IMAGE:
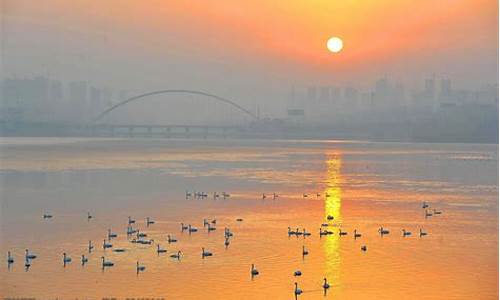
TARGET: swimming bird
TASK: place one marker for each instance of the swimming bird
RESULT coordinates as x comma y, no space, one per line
305,233
144,242
304,195
159,250
216,195
297,290
66,259
149,221
205,253
264,196
363,248
325,284
130,230
176,255
297,273
214,221
425,205
327,195
211,228
239,220
226,242
383,231
119,250
90,246
290,232
427,214
106,263
406,233
422,233
27,263
227,233
171,239
29,255
89,216
254,271
225,195
106,245
183,227
297,232
304,251
130,220
188,194
140,234
140,268
84,260
205,223
192,229
47,216
275,196
317,195
324,225
437,212
356,234
341,233
10,259
111,234
329,217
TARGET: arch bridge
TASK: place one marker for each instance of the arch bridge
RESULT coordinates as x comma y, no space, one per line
168,130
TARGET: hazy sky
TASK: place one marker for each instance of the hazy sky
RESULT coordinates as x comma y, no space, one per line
250,49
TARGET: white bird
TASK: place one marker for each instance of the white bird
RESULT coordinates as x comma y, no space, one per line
171,239
192,229
406,233
325,284
66,259
160,250
106,245
140,268
383,231
84,260
205,253
149,221
297,290
30,256
10,259
176,255
106,263
111,234
254,271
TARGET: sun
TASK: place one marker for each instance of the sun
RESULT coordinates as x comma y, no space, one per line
334,44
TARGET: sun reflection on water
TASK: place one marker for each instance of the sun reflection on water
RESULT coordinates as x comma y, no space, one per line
333,200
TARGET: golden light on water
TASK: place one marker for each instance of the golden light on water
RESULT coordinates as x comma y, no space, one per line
333,199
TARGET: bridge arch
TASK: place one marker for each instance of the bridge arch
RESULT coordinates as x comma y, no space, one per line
175,91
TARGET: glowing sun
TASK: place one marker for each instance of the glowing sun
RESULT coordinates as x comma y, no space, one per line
334,44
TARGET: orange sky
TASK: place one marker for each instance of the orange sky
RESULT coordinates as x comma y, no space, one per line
401,38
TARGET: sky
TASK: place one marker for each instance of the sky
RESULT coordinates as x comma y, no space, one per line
251,49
